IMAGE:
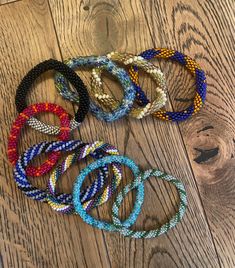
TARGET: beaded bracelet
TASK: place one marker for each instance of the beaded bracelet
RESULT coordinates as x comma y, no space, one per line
193,67
20,122
122,76
50,129
165,227
93,166
97,149
117,225
73,78
126,58
20,175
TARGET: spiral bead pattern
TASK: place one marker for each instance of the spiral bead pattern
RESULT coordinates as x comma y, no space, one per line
111,67
20,122
97,150
193,67
127,59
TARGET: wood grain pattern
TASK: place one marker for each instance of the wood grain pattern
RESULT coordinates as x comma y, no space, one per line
206,33
199,151
2,2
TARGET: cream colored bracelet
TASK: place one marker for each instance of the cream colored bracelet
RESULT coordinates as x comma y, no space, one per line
108,101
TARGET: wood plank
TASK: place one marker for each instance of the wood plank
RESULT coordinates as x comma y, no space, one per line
31,234
92,27
204,30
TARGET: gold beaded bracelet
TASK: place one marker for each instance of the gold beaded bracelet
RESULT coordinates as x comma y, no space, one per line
110,102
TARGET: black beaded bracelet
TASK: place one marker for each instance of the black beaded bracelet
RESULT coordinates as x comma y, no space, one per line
72,77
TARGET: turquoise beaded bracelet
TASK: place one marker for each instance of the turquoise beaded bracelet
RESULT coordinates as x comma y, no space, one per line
93,166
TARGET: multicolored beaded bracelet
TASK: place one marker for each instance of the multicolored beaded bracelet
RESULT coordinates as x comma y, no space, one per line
117,225
192,66
78,206
97,149
165,227
73,78
21,177
20,122
127,59
122,76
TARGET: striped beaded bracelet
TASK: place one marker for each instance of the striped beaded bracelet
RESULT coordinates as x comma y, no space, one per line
73,78
127,59
108,65
20,122
21,177
78,206
165,227
192,66
97,149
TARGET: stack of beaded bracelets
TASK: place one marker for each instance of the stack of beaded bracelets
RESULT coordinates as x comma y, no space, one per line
104,155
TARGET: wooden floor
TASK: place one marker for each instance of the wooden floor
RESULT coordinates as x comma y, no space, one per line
199,151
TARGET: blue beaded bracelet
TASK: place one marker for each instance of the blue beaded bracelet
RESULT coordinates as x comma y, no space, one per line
93,166
188,63
93,61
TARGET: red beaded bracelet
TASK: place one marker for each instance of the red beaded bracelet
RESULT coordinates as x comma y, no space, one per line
19,123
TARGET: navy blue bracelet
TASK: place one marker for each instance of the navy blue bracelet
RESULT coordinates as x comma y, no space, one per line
190,65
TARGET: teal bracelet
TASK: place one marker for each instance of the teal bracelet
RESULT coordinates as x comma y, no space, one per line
165,227
77,189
